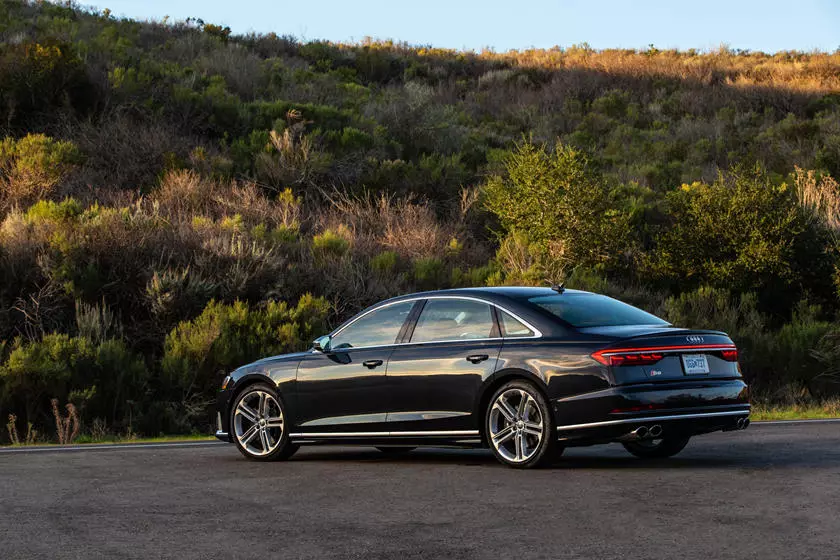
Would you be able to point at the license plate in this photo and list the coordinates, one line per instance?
(695, 364)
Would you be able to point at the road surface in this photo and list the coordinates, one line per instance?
(771, 492)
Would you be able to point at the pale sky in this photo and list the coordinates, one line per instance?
(767, 25)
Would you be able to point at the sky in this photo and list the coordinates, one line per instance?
(765, 25)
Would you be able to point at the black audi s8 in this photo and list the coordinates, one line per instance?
(526, 372)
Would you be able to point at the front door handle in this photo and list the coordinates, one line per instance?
(370, 364)
(476, 358)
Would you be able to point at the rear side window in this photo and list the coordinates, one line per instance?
(594, 310)
(453, 319)
(512, 327)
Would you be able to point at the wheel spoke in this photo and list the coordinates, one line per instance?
(249, 413)
(523, 403)
(276, 422)
(506, 410)
(246, 438)
(503, 435)
(533, 429)
(264, 441)
(262, 406)
(519, 442)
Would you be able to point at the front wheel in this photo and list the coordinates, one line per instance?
(259, 425)
(657, 448)
(519, 426)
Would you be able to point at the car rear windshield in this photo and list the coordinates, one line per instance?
(593, 310)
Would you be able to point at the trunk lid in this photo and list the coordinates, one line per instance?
(639, 354)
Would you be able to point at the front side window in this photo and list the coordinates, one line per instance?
(453, 319)
(377, 328)
(593, 310)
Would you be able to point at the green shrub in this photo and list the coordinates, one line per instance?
(33, 166)
(333, 243)
(561, 205)
(35, 372)
(429, 273)
(747, 234)
(385, 262)
(198, 353)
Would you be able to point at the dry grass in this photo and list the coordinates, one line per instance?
(66, 427)
(821, 195)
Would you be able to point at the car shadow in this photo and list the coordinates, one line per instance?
(612, 457)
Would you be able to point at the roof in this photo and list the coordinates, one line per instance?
(513, 292)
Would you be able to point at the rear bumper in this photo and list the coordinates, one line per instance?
(687, 408)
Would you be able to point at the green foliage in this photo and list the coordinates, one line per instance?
(745, 233)
(36, 77)
(198, 353)
(331, 243)
(33, 166)
(429, 273)
(558, 201)
(384, 262)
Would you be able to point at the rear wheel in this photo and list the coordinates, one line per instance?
(397, 450)
(519, 426)
(259, 425)
(657, 448)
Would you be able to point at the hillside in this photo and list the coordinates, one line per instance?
(177, 200)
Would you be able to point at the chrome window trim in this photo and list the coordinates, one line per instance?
(455, 433)
(536, 331)
(746, 411)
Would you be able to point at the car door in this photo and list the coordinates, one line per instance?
(434, 379)
(343, 388)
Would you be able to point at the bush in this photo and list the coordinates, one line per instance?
(100, 378)
(563, 207)
(332, 243)
(32, 167)
(747, 234)
(198, 353)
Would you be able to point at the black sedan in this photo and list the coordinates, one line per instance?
(526, 372)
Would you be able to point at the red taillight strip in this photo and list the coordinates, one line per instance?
(601, 356)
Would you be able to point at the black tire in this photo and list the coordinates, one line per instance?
(396, 450)
(240, 425)
(657, 449)
(543, 450)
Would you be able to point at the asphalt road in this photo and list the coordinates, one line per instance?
(772, 492)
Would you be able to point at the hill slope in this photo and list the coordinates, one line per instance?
(164, 186)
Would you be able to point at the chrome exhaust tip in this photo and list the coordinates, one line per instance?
(739, 423)
(641, 432)
(655, 431)
(746, 424)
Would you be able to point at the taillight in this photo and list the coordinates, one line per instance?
(646, 356)
(729, 355)
(642, 359)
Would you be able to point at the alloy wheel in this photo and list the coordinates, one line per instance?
(516, 425)
(258, 423)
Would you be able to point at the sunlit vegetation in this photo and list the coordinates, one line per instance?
(176, 200)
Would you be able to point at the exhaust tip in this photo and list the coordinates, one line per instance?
(655, 431)
(740, 423)
(746, 423)
(641, 432)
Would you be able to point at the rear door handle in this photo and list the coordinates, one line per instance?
(370, 364)
(476, 358)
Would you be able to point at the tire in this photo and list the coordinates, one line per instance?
(396, 450)
(519, 426)
(657, 449)
(259, 424)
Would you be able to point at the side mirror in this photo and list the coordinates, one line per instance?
(322, 343)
